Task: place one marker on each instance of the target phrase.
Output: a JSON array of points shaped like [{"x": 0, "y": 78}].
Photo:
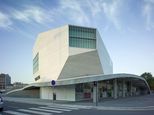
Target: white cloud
[
  {"x": 82, "y": 11},
  {"x": 72, "y": 9},
  {"x": 5, "y": 21},
  {"x": 148, "y": 10},
  {"x": 28, "y": 14},
  {"x": 95, "y": 7},
  {"x": 110, "y": 9},
  {"x": 152, "y": 1},
  {"x": 32, "y": 13}
]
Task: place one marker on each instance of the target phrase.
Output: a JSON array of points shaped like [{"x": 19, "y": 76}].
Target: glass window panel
[
  {"x": 82, "y": 37},
  {"x": 82, "y": 43}
]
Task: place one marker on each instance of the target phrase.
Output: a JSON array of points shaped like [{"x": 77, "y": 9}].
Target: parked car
[{"x": 1, "y": 102}]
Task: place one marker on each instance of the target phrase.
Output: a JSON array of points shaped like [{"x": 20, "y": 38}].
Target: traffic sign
[{"x": 53, "y": 82}]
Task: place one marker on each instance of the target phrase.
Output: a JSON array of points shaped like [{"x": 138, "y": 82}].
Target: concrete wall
[
  {"x": 66, "y": 93},
  {"x": 33, "y": 93},
  {"x": 53, "y": 49},
  {"x": 105, "y": 59},
  {"x": 82, "y": 65}
]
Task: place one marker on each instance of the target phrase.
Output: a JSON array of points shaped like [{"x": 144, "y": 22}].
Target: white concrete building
[
  {"x": 70, "y": 51},
  {"x": 76, "y": 58}
]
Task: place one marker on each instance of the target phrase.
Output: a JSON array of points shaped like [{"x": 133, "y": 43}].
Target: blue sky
[{"x": 126, "y": 27}]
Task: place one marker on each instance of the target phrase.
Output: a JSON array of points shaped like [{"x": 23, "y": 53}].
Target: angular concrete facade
[
  {"x": 53, "y": 50},
  {"x": 59, "y": 60},
  {"x": 105, "y": 59},
  {"x": 87, "y": 63}
]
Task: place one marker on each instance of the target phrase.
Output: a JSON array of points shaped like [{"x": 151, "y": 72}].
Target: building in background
[
  {"x": 5, "y": 80},
  {"x": 17, "y": 85}
]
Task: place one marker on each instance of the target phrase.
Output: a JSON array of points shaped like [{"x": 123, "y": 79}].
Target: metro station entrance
[
  {"x": 105, "y": 89},
  {"x": 108, "y": 89},
  {"x": 83, "y": 91}
]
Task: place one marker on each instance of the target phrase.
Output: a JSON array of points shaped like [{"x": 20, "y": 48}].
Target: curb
[
  {"x": 126, "y": 108},
  {"x": 45, "y": 103}
]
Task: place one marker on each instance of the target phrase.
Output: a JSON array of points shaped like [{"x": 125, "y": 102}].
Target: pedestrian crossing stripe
[
  {"x": 78, "y": 106},
  {"x": 44, "y": 110},
  {"x": 34, "y": 112},
  {"x": 16, "y": 113},
  {"x": 71, "y": 106},
  {"x": 39, "y": 109},
  {"x": 53, "y": 108},
  {"x": 63, "y": 107}
]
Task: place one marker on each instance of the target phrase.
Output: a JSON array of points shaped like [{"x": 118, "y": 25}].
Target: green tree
[
  {"x": 147, "y": 75},
  {"x": 149, "y": 78}
]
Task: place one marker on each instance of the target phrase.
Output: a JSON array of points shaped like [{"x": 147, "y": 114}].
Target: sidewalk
[
  {"x": 130, "y": 102},
  {"x": 135, "y": 102},
  {"x": 43, "y": 101}
]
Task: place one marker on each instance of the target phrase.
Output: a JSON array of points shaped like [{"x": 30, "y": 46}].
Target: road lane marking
[
  {"x": 35, "y": 112},
  {"x": 63, "y": 107},
  {"x": 76, "y": 106},
  {"x": 39, "y": 109},
  {"x": 53, "y": 108},
  {"x": 124, "y": 108},
  {"x": 12, "y": 107},
  {"x": 15, "y": 113}
]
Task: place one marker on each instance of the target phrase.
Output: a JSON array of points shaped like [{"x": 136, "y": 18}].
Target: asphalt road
[{"x": 14, "y": 108}]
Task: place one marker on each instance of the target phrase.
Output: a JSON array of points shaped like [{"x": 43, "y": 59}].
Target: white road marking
[
  {"x": 63, "y": 107},
  {"x": 55, "y": 108},
  {"x": 12, "y": 107},
  {"x": 35, "y": 112},
  {"x": 125, "y": 108},
  {"x": 15, "y": 113},
  {"x": 47, "y": 110},
  {"x": 39, "y": 109},
  {"x": 76, "y": 106}
]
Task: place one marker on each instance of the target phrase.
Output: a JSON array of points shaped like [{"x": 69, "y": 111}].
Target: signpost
[
  {"x": 95, "y": 92},
  {"x": 53, "y": 83}
]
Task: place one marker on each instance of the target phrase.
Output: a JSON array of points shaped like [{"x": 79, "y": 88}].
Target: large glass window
[
  {"x": 83, "y": 91},
  {"x": 82, "y": 43},
  {"x": 79, "y": 87},
  {"x": 105, "y": 89},
  {"x": 36, "y": 63},
  {"x": 82, "y": 37}
]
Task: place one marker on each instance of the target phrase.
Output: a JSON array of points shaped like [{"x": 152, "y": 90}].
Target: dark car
[{"x": 1, "y": 102}]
